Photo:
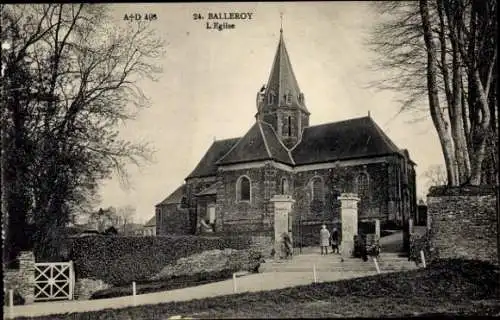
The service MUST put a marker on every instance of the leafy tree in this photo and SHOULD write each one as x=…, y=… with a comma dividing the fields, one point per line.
x=82, y=72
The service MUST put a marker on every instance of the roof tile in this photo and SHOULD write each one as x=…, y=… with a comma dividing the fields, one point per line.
x=353, y=138
x=207, y=165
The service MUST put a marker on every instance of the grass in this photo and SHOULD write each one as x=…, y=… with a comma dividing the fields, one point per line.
x=164, y=285
x=448, y=288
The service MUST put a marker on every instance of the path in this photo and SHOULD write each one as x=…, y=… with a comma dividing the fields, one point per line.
x=250, y=283
x=392, y=243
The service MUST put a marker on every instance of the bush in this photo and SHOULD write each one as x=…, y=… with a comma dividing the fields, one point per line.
x=121, y=260
x=212, y=261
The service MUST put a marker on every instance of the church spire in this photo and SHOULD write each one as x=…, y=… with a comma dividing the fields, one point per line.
x=280, y=102
x=282, y=88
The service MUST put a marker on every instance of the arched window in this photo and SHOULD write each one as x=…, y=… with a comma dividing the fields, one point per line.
x=270, y=97
x=288, y=98
x=289, y=126
x=284, y=186
x=363, y=185
x=243, y=189
x=317, y=189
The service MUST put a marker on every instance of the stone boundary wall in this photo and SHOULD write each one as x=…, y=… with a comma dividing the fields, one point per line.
x=463, y=222
x=263, y=244
x=22, y=280
x=84, y=288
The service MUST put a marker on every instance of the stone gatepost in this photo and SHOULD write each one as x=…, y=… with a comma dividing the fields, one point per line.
x=27, y=268
x=349, y=218
x=23, y=279
x=282, y=220
x=377, y=228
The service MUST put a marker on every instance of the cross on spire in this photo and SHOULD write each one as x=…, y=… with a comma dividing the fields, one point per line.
x=281, y=22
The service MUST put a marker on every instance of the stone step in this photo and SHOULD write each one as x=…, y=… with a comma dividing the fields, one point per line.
x=320, y=269
x=346, y=261
x=340, y=266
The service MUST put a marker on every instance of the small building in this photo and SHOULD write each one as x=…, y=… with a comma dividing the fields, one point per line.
x=133, y=229
x=150, y=227
x=172, y=214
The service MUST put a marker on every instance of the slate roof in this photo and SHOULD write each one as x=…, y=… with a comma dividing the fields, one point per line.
x=151, y=222
x=353, y=138
x=282, y=80
x=348, y=139
x=211, y=190
x=259, y=143
x=206, y=166
x=175, y=197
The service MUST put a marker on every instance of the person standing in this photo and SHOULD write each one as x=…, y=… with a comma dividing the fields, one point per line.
x=324, y=239
x=335, y=241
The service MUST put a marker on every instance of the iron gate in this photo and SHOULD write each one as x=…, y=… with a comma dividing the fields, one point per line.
x=54, y=281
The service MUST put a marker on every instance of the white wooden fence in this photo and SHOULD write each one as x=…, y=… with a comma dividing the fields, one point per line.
x=54, y=281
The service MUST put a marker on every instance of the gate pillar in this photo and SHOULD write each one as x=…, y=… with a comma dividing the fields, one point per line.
x=282, y=221
x=349, y=216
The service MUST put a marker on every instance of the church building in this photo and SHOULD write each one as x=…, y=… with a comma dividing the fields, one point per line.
x=283, y=154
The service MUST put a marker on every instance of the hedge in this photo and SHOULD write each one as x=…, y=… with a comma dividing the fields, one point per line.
x=120, y=260
x=449, y=287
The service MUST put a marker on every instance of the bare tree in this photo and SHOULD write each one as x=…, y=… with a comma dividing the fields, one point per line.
x=126, y=216
x=103, y=218
x=435, y=175
x=83, y=73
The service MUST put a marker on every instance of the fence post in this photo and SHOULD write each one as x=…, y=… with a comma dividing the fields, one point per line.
x=134, y=293
x=315, y=278
x=234, y=283
x=422, y=257
x=11, y=303
x=71, y=280
x=376, y=264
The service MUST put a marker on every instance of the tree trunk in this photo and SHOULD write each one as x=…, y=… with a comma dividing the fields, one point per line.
x=434, y=105
x=457, y=122
x=484, y=128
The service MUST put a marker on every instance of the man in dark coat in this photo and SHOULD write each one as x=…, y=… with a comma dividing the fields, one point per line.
x=335, y=240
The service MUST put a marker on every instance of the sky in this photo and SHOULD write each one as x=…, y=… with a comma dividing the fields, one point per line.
x=210, y=78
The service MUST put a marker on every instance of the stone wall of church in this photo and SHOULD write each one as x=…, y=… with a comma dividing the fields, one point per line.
x=241, y=215
x=304, y=120
x=193, y=186
x=256, y=215
x=373, y=203
x=289, y=130
x=271, y=118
